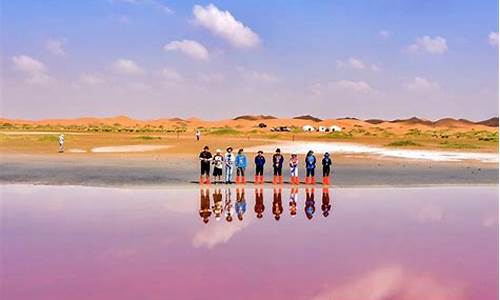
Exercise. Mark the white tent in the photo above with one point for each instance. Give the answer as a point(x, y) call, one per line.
point(323, 129)
point(335, 128)
point(308, 128)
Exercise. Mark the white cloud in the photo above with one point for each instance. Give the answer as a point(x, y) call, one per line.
point(36, 70)
point(436, 45)
point(384, 34)
point(421, 84)
point(189, 48)
point(223, 24)
point(55, 47)
point(127, 67)
point(358, 64)
point(171, 75)
point(493, 38)
point(342, 86)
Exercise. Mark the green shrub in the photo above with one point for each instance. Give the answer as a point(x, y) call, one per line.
point(402, 143)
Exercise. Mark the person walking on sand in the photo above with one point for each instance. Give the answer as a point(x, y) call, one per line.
point(260, 161)
point(198, 134)
point(326, 162)
point(278, 167)
point(205, 158)
point(61, 143)
point(294, 169)
point(218, 162)
point(241, 165)
point(310, 166)
point(229, 163)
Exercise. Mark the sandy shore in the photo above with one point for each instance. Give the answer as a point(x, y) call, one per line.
point(163, 169)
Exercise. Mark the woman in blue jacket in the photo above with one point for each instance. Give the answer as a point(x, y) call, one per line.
point(310, 166)
point(241, 164)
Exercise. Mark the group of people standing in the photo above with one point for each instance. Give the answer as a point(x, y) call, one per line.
point(230, 161)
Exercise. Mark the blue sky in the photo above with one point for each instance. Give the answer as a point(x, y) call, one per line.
point(156, 58)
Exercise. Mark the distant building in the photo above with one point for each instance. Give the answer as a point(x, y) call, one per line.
point(308, 128)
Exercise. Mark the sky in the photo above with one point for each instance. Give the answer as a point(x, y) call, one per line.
point(156, 58)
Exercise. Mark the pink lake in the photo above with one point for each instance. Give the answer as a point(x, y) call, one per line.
point(76, 243)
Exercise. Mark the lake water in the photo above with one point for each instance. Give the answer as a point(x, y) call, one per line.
point(361, 243)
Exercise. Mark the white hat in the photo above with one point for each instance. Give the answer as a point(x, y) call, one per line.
point(218, 151)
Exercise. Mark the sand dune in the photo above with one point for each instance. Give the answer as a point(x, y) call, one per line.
point(129, 148)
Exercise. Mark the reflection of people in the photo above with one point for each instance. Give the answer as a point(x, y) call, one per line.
point(205, 158)
point(278, 166)
point(325, 199)
point(241, 204)
point(205, 211)
point(292, 204)
point(218, 161)
point(277, 205)
point(309, 207)
point(217, 208)
point(61, 143)
point(228, 205)
point(229, 162)
point(310, 166)
point(326, 162)
point(260, 160)
point(259, 203)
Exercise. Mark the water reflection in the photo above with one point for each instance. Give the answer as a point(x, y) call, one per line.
point(228, 208)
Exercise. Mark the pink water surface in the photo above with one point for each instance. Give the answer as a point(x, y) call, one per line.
point(99, 243)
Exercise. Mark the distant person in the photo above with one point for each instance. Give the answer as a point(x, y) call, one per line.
point(241, 165)
point(217, 208)
point(241, 204)
point(309, 205)
point(228, 205)
point(278, 166)
point(260, 161)
point(218, 162)
point(205, 159)
point(259, 203)
point(294, 169)
point(277, 204)
point(205, 211)
point(229, 159)
point(310, 166)
point(326, 206)
point(61, 143)
point(292, 204)
point(198, 134)
point(326, 162)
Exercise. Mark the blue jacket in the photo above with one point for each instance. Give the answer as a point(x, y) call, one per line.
point(241, 161)
point(310, 162)
point(260, 161)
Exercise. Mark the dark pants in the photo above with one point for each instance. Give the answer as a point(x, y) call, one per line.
point(277, 171)
point(259, 170)
point(309, 172)
point(326, 171)
point(240, 171)
point(205, 169)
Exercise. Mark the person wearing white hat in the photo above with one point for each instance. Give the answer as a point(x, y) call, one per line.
point(218, 161)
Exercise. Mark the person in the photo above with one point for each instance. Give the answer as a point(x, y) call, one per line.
point(228, 205)
point(198, 134)
point(260, 160)
point(259, 203)
point(217, 208)
point(326, 162)
point(218, 162)
point(278, 167)
point(241, 165)
point(205, 158)
point(310, 166)
point(205, 211)
point(325, 202)
point(229, 163)
point(277, 205)
point(61, 143)
point(294, 169)
point(241, 204)
point(292, 204)
point(309, 207)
